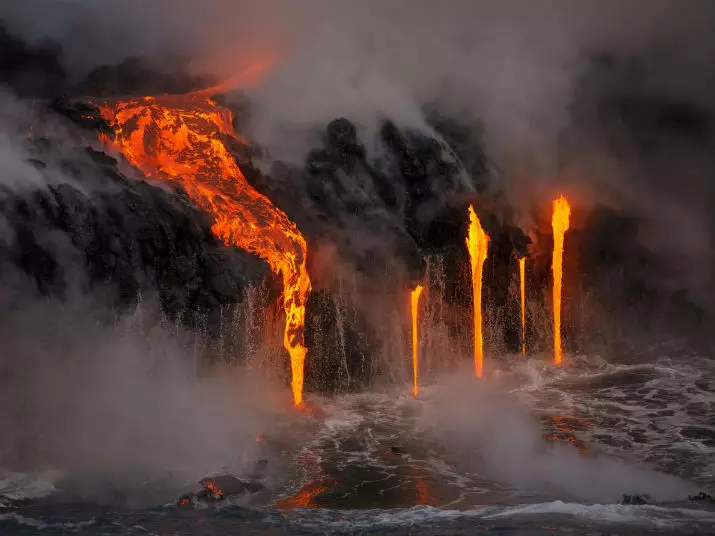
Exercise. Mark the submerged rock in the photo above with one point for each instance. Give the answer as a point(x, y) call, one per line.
point(635, 499)
point(701, 497)
point(220, 488)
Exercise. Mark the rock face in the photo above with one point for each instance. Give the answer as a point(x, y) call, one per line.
point(381, 213)
point(410, 198)
point(89, 226)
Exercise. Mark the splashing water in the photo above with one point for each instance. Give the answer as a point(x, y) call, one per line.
point(182, 138)
point(477, 244)
point(415, 300)
point(560, 224)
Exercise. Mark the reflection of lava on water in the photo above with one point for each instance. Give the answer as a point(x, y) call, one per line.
point(183, 138)
point(566, 429)
point(423, 495)
point(307, 495)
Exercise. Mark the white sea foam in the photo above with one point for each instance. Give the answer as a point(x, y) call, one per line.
point(636, 515)
point(16, 486)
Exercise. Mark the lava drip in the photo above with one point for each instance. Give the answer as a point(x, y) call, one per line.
point(415, 299)
point(560, 224)
point(522, 289)
point(477, 245)
point(182, 138)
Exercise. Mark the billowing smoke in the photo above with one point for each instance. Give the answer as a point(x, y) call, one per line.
point(108, 408)
point(493, 435)
point(549, 81)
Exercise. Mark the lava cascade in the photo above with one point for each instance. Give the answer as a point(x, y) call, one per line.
point(415, 301)
point(183, 139)
point(477, 245)
point(560, 224)
point(522, 292)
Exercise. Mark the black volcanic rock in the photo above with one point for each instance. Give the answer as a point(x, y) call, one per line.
point(121, 234)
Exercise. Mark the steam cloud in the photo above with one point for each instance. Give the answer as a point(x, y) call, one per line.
point(490, 433)
point(517, 67)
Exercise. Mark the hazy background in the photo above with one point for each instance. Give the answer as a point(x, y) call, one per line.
point(517, 67)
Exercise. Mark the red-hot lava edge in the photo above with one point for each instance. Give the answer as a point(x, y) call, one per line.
point(180, 138)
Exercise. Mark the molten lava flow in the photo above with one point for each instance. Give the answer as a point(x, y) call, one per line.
point(415, 295)
point(477, 244)
point(560, 224)
point(211, 486)
point(522, 289)
point(182, 138)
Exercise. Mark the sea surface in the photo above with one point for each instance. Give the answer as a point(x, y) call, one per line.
point(530, 449)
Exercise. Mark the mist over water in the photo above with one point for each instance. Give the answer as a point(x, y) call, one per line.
point(118, 412)
point(489, 429)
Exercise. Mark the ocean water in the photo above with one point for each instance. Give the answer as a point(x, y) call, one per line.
point(529, 450)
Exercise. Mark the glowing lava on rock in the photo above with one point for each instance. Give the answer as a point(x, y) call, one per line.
point(560, 224)
point(522, 292)
point(182, 138)
point(477, 245)
point(415, 301)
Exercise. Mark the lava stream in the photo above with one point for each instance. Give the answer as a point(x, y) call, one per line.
point(522, 289)
point(477, 244)
point(182, 138)
point(415, 299)
point(560, 224)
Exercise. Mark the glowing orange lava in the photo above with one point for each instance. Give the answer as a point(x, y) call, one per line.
point(182, 138)
point(560, 224)
point(477, 244)
point(522, 290)
point(213, 488)
point(415, 298)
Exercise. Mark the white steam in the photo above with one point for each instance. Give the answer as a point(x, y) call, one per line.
point(490, 433)
point(120, 407)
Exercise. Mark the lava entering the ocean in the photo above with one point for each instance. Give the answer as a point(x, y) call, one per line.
point(477, 244)
point(522, 292)
point(560, 224)
point(180, 138)
point(415, 300)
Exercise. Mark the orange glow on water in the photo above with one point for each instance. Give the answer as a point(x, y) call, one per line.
point(477, 245)
point(560, 224)
point(415, 300)
point(182, 139)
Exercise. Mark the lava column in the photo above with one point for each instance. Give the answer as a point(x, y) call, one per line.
point(522, 288)
point(560, 224)
point(477, 245)
point(415, 298)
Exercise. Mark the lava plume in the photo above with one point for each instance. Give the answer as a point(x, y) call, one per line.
point(415, 301)
point(560, 224)
point(182, 138)
point(477, 244)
